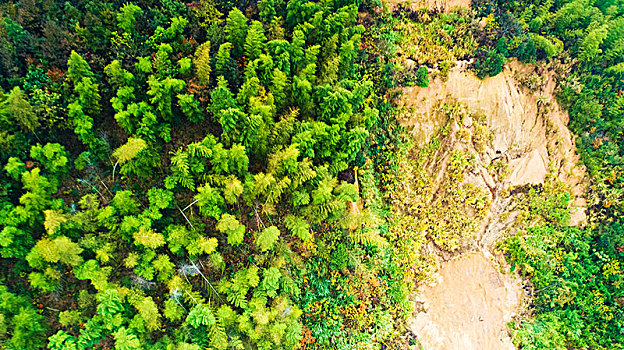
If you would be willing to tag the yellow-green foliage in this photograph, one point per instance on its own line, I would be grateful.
(481, 135)
(435, 41)
(458, 208)
(446, 208)
(409, 238)
(545, 204)
(148, 238)
(129, 150)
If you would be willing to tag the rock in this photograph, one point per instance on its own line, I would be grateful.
(578, 217)
(468, 122)
(410, 64)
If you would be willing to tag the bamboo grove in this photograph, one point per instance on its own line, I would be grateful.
(169, 168)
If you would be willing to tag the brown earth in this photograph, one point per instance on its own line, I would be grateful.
(528, 129)
(469, 308)
(528, 136)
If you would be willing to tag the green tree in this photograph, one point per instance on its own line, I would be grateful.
(267, 10)
(22, 327)
(164, 266)
(15, 168)
(124, 204)
(200, 315)
(235, 231)
(62, 341)
(221, 98)
(127, 16)
(149, 313)
(202, 63)
(590, 45)
(148, 238)
(53, 221)
(39, 193)
(52, 156)
(231, 123)
(88, 95)
(236, 30)
(279, 88)
(298, 226)
(117, 75)
(17, 107)
(209, 14)
(126, 340)
(254, 42)
(83, 124)
(232, 189)
(190, 107)
(86, 101)
(297, 49)
(128, 151)
(267, 238)
(422, 77)
(491, 64)
(28, 329)
(60, 249)
(77, 68)
(223, 64)
(210, 202)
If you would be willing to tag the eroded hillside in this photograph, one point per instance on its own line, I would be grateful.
(479, 146)
(469, 308)
(518, 135)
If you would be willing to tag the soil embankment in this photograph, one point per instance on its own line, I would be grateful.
(528, 139)
(469, 308)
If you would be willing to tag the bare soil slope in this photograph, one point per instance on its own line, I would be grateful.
(529, 131)
(528, 138)
(469, 308)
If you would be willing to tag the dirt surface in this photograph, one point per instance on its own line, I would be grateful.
(528, 138)
(469, 308)
(529, 131)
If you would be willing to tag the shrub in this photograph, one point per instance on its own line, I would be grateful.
(422, 77)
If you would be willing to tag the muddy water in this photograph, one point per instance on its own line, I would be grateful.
(469, 308)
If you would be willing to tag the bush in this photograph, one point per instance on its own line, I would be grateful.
(491, 63)
(422, 77)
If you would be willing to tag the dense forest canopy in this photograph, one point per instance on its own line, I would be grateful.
(167, 165)
(215, 174)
